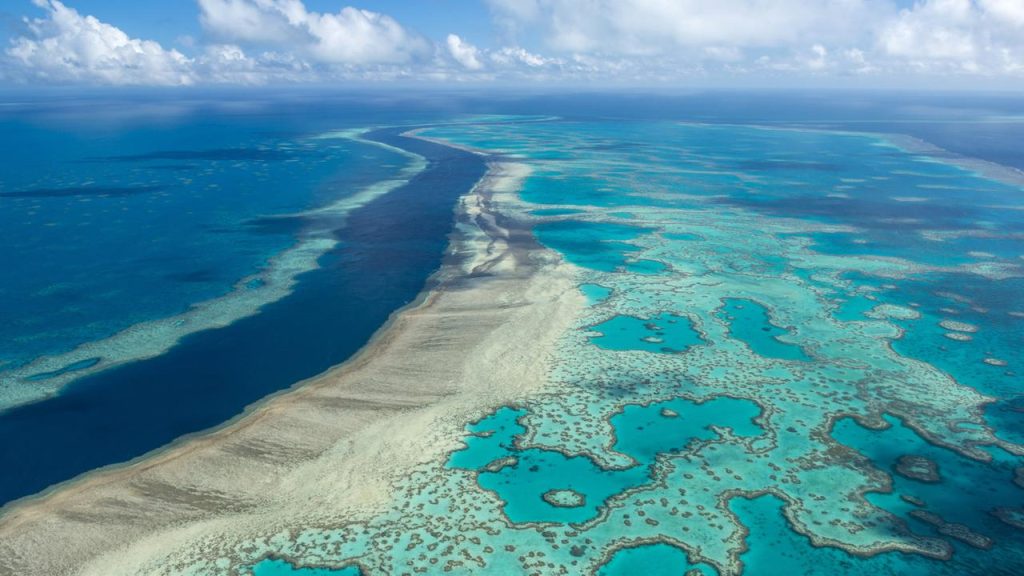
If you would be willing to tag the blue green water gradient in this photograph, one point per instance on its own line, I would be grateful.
(797, 350)
(219, 216)
(884, 241)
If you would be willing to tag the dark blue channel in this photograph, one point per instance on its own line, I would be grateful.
(388, 249)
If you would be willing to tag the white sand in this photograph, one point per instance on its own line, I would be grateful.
(958, 326)
(328, 450)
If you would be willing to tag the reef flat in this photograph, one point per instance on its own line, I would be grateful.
(659, 347)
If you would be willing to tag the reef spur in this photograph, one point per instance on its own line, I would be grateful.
(330, 449)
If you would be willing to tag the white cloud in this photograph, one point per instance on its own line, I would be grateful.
(936, 29)
(464, 53)
(1007, 12)
(981, 36)
(601, 41)
(515, 55)
(857, 62)
(65, 46)
(510, 15)
(247, 20)
(252, 42)
(931, 37)
(229, 64)
(350, 36)
(819, 60)
(642, 27)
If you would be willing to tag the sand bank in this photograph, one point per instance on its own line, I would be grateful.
(328, 450)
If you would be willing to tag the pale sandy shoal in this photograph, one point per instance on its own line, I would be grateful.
(328, 450)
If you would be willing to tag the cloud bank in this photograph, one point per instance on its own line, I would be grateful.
(351, 36)
(596, 41)
(984, 37)
(65, 46)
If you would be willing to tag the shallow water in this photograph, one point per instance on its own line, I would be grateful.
(529, 481)
(652, 559)
(665, 333)
(802, 277)
(749, 322)
(271, 567)
(595, 293)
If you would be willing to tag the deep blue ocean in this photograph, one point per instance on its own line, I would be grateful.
(115, 212)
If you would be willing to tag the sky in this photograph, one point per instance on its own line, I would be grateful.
(782, 43)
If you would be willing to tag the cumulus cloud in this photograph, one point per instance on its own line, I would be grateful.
(604, 41)
(464, 53)
(350, 36)
(1008, 12)
(249, 42)
(229, 64)
(937, 29)
(515, 55)
(642, 27)
(835, 36)
(974, 36)
(65, 46)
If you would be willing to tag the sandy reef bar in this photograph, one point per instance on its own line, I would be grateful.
(327, 450)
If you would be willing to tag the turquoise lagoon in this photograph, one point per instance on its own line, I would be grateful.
(654, 560)
(663, 333)
(749, 322)
(595, 293)
(819, 375)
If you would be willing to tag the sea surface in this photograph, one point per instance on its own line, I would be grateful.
(162, 274)
(802, 349)
(852, 297)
